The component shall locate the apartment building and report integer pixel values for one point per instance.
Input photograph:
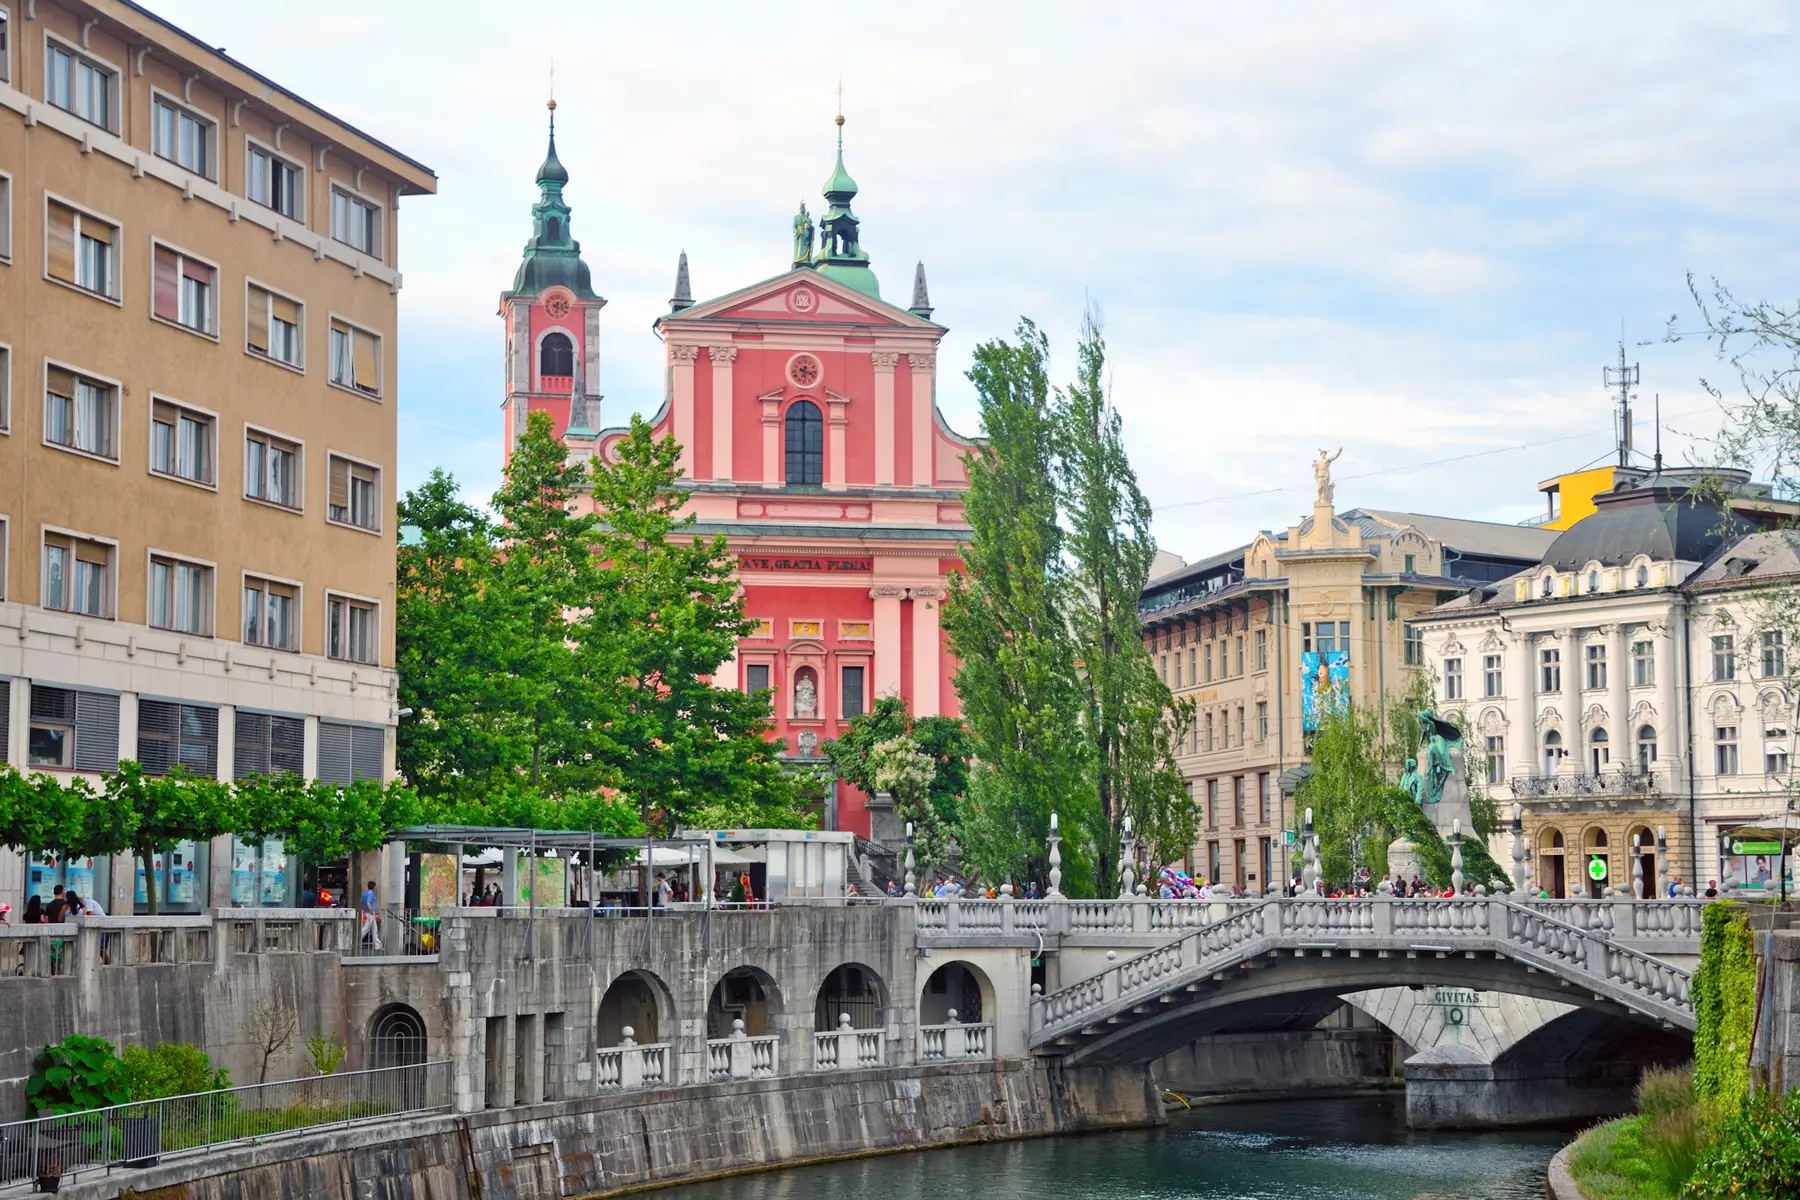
(1634, 684)
(1262, 636)
(199, 273)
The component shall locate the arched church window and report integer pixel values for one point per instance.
(557, 355)
(805, 444)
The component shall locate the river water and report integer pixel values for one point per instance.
(1347, 1148)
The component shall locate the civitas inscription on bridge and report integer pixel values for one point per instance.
(1306, 952)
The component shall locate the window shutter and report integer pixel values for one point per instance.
(340, 484)
(5, 725)
(251, 741)
(199, 272)
(52, 704)
(60, 234)
(157, 722)
(200, 740)
(287, 745)
(365, 753)
(366, 374)
(98, 231)
(93, 552)
(334, 752)
(259, 320)
(286, 309)
(59, 382)
(96, 732)
(166, 294)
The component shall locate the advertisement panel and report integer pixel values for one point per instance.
(1324, 686)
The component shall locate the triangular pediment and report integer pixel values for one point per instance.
(800, 297)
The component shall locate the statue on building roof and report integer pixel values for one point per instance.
(803, 237)
(1322, 473)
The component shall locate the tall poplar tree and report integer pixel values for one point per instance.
(1130, 716)
(1004, 621)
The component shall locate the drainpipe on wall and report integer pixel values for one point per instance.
(1278, 607)
(1687, 693)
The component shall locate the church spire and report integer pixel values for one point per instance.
(921, 305)
(684, 292)
(552, 175)
(552, 255)
(840, 255)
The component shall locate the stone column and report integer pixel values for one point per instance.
(926, 662)
(1618, 698)
(1574, 740)
(128, 726)
(887, 639)
(19, 725)
(309, 749)
(722, 358)
(837, 471)
(681, 358)
(1669, 744)
(924, 471)
(885, 429)
(771, 427)
(1522, 708)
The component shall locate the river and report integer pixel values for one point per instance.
(1345, 1148)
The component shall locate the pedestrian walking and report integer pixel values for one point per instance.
(371, 923)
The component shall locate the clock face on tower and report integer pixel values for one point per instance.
(557, 305)
(804, 370)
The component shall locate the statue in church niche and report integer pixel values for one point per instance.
(806, 697)
(803, 237)
(1322, 474)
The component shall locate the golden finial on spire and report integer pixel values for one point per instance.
(552, 103)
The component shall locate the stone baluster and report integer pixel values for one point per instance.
(631, 1062)
(1055, 892)
(740, 1050)
(1521, 854)
(1456, 858)
(912, 881)
(1126, 873)
(1662, 862)
(1638, 890)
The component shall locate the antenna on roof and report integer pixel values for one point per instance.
(1624, 377)
(1659, 433)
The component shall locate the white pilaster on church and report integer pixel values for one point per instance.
(887, 638)
(836, 454)
(885, 432)
(771, 442)
(722, 358)
(682, 357)
(924, 471)
(927, 649)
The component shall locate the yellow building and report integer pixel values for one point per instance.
(199, 273)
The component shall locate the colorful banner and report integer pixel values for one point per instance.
(551, 891)
(438, 883)
(1324, 686)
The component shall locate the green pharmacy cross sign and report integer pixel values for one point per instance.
(1756, 847)
(1597, 868)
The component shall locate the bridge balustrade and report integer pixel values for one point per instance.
(847, 1048)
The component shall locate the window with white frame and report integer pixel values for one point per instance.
(1262, 720)
(272, 326)
(1491, 679)
(1596, 667)
(354, 222)
(271, 613)
(1551, 662)
(1725, 749)
(1646, 747)
(1643, 664)
(274, 182)
(81, 249)
(5, 389)
(1774, 654)
(354, 494)
(1496, 759)
(78, 84)
(271, 469)
(78, 574)
(185, 291)
(1453, 679)
(180, 595)
(182, 136)
(72, 728)
(1261, 658)
(1775, 750)
(6, 209)
(181, 442)
(355, 358)
(5, 46)
(1413, 644)
(1724, 657)
(80, 413)
(352, 630)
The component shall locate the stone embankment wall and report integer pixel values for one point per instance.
(597, 1146)
(1775, 1058)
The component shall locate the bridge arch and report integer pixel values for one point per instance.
(854, 990)
(748, 994)
(397, 1037)
(639, 1000)
(961, 986)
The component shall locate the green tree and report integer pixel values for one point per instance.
(165, 810)
(899, 767)
(665, 617)
(1130, 718)
(942, 739)
(1005, 621)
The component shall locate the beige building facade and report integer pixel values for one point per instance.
(1238, 633)
(199, 281)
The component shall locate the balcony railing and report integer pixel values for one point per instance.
(1611, 783)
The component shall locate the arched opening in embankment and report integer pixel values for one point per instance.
(958, 988)
(638, 1001)
(851, 990)
(746, 994)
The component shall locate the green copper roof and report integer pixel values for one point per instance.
(552, 255)
(840, 255)
(840, 184)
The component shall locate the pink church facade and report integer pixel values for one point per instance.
(805, 406)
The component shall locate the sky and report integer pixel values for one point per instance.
(1413, 231)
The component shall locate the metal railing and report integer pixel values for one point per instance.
(396, 933)
(138, 1135)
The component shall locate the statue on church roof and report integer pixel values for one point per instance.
(803, 237)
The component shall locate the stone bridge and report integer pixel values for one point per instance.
(1282, 963)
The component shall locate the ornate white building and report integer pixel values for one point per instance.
(1634, 684)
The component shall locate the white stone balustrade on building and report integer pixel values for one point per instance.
(741, 1056)
(954, 1040)
(629, 1066)
(847, 1048)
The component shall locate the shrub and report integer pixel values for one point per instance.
(171, 1069)
(1754, 1155)
(75, 1075)
(1664, 1090)
(326, 1050)
(1724, 995)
